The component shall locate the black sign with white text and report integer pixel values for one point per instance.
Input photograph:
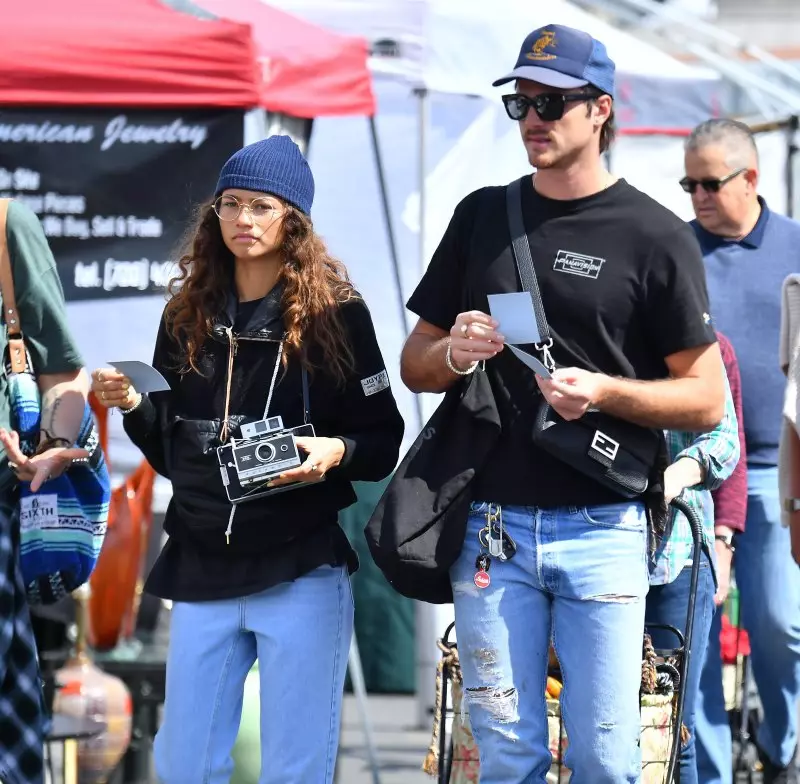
(114, 189)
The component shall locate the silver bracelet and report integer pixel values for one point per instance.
(126, 411)
(448, 358)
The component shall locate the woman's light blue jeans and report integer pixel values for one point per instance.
(580, 575)
(300, 632)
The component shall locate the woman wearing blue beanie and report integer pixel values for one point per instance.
(278, 399)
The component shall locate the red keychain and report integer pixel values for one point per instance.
(482, 564)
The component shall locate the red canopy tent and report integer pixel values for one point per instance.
(146, 54)
(120, 53)
(307, 70)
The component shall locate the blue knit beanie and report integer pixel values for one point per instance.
(274, 165)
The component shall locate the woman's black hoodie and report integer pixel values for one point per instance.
(280, 537)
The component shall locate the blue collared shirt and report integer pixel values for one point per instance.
(710, 242)
(744, 280)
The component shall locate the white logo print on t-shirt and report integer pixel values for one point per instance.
(578, 264)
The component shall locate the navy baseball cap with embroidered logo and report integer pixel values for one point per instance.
(563, 57)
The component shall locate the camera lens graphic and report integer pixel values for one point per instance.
(265, 453)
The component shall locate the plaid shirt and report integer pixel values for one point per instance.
(23, 722)
(718, 453)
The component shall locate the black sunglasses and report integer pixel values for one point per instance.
(710, 185)
(549, 107)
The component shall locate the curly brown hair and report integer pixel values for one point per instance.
(316, 284)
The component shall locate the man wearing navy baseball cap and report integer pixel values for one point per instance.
(549, 550)
(580, 70)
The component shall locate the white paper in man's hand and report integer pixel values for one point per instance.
(516, 317)
(145, 378)
(531, 361)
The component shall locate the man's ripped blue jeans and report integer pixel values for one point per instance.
(579, 576)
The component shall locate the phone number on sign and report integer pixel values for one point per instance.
(112, 274)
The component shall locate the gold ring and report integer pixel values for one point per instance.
(464, 328)
(313, 466)
(102, 394)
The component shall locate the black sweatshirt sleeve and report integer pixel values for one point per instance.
(143, 425)
(368, 420)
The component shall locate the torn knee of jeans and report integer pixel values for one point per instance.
(486, 663)
(502, 705)
(485, 659)
(615, 598)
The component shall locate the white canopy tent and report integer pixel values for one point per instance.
(454, 46)
(444, 132)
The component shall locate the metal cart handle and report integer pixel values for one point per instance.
(696, 525)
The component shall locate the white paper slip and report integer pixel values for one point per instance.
(515, 314)
(145, 378)
(531, 361)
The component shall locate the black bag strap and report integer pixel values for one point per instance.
(17, 355)
(521, 248)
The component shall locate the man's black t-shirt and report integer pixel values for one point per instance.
(623, 287)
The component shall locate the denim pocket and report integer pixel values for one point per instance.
(625, 516)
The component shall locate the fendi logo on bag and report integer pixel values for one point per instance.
(578, 264)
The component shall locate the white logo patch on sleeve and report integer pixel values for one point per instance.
(376, 383)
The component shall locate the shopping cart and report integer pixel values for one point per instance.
(453, 757)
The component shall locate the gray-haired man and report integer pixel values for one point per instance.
(748, 252)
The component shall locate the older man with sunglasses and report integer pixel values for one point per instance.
(748, 252)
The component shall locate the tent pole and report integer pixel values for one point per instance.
(398, 278)
(791, 193)
(422, 163)
(360, 692)
(430, 620)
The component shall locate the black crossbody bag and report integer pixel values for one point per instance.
(623, 456)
